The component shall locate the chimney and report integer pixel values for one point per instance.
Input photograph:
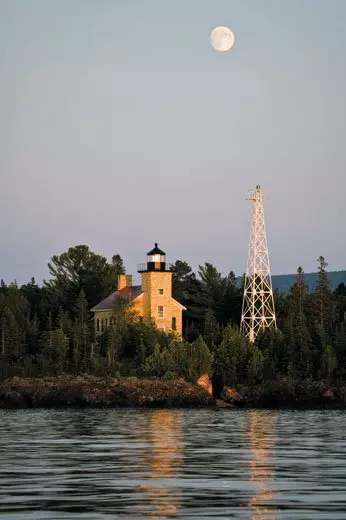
(124, 280)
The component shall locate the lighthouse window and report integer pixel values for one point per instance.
(160, 311)
(160, 291)
(174, 323)
(156, 258)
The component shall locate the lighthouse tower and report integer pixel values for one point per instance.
(158, 302)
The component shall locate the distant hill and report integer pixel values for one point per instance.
(283, 282)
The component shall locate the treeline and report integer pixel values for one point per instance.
(48, 329)
(310, 341)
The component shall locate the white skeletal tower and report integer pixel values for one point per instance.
(258, 302)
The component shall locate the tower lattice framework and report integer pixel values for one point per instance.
(258, 302)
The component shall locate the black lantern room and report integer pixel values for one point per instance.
(156, 259)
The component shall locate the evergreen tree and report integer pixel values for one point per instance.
(340, 302)
(182, 273)
(81, 339)
(199, 358)
(54, 353)
(3, 287)
(230, 306)
(232, 356)
(118, 265)
(113, 347)
(80, 269)
(154, 364)
(323, 294)
(301, 344)
(211, 330)
(340, 349)
(33, 337)
(276, 353)
(14, 323)
(33, 295)
(175, 358)
(255, 364)
(329, 362)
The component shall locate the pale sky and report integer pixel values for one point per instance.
(120, 126)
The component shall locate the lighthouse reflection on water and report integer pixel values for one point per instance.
(262, 441)
(166, 466)
(164, 461)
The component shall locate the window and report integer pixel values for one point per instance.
(155, 259)
(98, 325)
(106, 321)
(174, 323)
(160, 291)
(160, 311)
(101, 324)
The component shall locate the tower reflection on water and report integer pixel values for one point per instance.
(164, 457)
(262, 441)
(164, 461)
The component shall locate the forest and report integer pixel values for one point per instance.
(48, 330)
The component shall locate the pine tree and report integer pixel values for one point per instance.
(175, 358)
(255, 364)
(154, 364)
(81, 343)
(329, 362)
(14, 323)
(231, 356)
(112, 350)
(54, 353)
(199, 358)
(211, 333)
(80, 269)
(3, 287)
(301, 344)
(340, 303)
(118, 265)
(340, 349)
(323, 294)
(33, 337)
(276, 353)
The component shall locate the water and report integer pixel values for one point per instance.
(110, 464)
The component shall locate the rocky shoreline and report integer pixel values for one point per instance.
(90, 391)
(287, 393)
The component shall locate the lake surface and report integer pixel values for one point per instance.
(110, 464)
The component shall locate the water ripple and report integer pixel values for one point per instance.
(112, 464)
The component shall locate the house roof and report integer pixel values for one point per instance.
(131, 292)
(127, 293)
(179, 304)
(156, 251)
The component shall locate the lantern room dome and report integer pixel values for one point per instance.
(156, 251)
(156, 260)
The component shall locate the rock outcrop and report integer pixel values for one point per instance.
(87, 390)
(232, 396)
(204, 382)
(287, 393)
(91, 391)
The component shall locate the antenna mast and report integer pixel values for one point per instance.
(258, 302)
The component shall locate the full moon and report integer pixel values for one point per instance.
(222, 38)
